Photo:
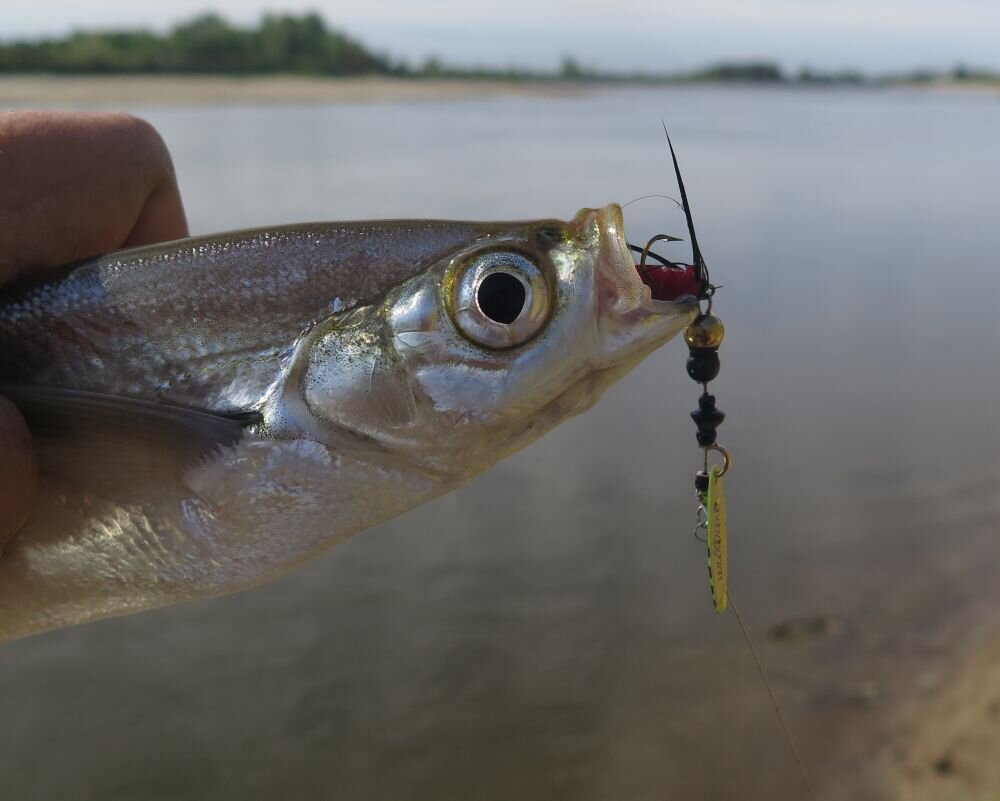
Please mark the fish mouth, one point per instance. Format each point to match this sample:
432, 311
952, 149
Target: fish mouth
658, 289
632, 321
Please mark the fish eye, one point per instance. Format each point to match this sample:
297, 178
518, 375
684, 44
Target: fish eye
500, 299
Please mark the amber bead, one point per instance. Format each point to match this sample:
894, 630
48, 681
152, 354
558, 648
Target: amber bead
707, 331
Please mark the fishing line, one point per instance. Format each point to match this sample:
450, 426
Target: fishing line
774, 701
704, 336
647, 197
646, 251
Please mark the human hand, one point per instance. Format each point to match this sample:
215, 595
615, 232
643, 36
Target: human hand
72, 185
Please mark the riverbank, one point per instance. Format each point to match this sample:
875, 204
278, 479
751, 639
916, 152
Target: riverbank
38, 91
946, 742
57, 90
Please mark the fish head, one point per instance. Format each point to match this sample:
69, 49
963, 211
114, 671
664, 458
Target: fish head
489, 347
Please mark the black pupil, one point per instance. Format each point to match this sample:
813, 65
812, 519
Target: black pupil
501, 297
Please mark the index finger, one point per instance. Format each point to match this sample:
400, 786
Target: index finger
75, 185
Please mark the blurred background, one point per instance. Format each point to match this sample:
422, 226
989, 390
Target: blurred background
546, 632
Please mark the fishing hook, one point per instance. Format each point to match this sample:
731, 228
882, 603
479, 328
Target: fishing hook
646, 252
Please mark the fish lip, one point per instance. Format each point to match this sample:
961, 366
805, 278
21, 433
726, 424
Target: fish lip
619, 261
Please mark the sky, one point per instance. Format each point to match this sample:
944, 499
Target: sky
876, 36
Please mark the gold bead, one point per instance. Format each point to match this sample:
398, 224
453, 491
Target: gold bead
707, 331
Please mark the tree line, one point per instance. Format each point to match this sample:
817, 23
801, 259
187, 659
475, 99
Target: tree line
304, 45
206, 44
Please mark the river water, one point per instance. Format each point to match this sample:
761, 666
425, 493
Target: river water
546, 632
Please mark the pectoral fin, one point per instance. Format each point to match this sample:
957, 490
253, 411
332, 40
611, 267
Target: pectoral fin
108, 444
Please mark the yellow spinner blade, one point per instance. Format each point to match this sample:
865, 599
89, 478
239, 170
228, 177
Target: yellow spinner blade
718, 549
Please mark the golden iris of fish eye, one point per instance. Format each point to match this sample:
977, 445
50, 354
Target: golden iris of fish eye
476, 326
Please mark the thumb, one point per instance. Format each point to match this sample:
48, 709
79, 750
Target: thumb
18, 474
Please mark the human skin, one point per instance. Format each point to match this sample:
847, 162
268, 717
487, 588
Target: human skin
72, 185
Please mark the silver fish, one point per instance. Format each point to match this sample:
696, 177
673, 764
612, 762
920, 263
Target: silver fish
210, 413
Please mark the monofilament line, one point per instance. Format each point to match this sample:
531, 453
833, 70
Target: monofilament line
774, 700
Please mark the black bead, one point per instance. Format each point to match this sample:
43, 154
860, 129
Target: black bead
701, 482
708, 419
706, 437
703, 364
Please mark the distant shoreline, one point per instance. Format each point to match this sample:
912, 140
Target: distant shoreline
37, 91
172, 90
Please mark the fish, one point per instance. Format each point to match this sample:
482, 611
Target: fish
212, 412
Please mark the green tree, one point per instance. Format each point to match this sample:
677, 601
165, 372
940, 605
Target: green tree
208, 44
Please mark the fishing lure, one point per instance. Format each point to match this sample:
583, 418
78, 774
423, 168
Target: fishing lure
703, 338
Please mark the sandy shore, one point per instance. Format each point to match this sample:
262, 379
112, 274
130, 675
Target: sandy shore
946, 746
35, 91
41, 90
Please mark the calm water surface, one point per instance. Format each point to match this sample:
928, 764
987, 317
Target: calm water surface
546, 632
